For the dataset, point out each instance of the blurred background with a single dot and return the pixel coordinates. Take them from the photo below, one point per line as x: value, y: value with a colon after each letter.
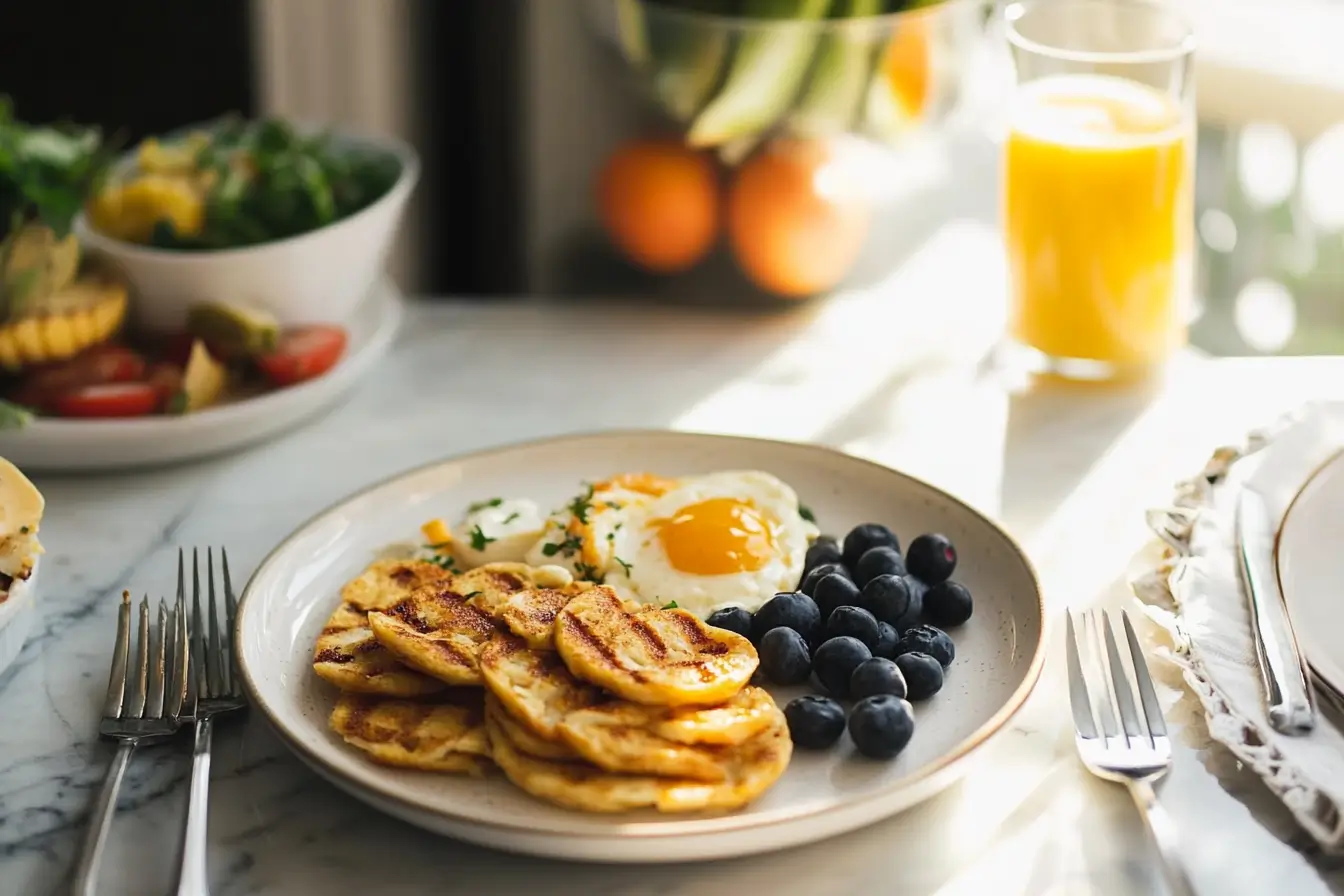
x: 516, y: 105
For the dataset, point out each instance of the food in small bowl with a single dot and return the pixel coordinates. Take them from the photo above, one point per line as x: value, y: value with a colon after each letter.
x: 21, y: 509
x: 294, y: 223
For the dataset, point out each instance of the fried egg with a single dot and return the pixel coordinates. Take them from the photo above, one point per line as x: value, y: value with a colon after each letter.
x: 581, y: 536
x: 499, y: 530
x: 732, y: 538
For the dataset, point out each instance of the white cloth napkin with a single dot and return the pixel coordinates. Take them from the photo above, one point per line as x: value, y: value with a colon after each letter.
x: 1211, y: 624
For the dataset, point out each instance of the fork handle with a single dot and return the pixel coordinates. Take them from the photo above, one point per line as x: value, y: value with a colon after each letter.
x: 100, y: 821
x: 1165, y: 837
x: 192, y: 878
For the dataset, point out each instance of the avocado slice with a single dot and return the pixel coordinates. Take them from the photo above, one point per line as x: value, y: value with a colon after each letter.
x: 232, y: 330
x: 840, y: 76
x: 203, y: 382
x: 767, y: 69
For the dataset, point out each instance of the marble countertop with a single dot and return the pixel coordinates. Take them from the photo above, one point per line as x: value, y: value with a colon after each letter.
x: 1069, y: 471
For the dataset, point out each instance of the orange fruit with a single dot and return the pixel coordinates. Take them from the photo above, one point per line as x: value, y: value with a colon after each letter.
x: 796, y: 217
x: 659, y: 203
x: 906, y: 64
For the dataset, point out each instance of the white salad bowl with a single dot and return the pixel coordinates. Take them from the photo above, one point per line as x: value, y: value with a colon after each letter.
x: 318, y: 276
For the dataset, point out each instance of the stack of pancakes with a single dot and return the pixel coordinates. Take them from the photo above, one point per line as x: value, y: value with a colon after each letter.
x: 579, y: 698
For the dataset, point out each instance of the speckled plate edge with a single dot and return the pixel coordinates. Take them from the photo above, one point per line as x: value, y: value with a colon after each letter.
x: 911, y: 789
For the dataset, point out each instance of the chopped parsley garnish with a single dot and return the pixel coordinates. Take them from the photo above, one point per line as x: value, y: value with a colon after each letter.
x: 618, y: 525
x: 612, y: 505
x: 670, y: 605
x: 23, y: 530
x: 481, y: 505
x: 806, y: 513
x: 510, y: 518
x: 580, y: 506
x: 479, y: 539
x: 567, y: 547
x: 471, y: 595
x: 611, y: 536
x: 584, y: 571
x: 444, y: 561
x: 441, y: 546
x: 626, y: 566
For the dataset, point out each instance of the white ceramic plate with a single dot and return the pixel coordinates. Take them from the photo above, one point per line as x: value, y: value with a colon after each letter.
x: 1311, y: 570
x: 999, y: 652
x: 17, y: 613
x: 69, y: 445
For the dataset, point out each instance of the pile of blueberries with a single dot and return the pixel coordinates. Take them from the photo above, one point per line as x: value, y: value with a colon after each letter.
x: 867, y: 624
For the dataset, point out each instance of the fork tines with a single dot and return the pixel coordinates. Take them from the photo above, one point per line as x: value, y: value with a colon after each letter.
x: 1110, y: 689
x: 211, y: 643
x: 151, y: 684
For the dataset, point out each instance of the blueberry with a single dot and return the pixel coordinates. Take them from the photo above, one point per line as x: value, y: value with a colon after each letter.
x: 790, y: 609
x: 734, y: 619
x: 931, y: 557
x: 836, y: 660
x: 876, y: 676
x: 948, y: 604
x: 865, y: 537
x: 915, y: 613
x: 815, y: 722
x: 881, y: 726
x: 855, y: 622
x: 824, y: 550
x: 927, y: 639
x: 923, y: 675
x: 785, y: 658
x: 835, y: 591
x: 886, y: 597
x: 880, y: 561
x: 817, y: 573
x: 887, y: 638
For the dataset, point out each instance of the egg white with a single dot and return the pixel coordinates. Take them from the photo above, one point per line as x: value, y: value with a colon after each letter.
x: 586, y: 549
x: 640, y: 570
x: 496, y: 531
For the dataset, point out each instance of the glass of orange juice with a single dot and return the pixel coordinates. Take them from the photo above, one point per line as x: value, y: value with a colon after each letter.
x: 1098, y: 181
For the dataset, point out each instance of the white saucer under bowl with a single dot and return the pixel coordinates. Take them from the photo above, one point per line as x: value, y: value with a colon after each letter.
x: 88, y: 445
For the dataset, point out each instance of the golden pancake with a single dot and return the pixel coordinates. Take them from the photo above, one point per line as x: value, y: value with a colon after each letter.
x: 387, y: 582
x: 750, y: 769
x: 488, y: 587
x: 523, y: 737
x: 348, y: 656
x: 651, y: 656
x: 437, y: 632
x: 531, y: 614
x: 533, y: 686
x: 437, y: 736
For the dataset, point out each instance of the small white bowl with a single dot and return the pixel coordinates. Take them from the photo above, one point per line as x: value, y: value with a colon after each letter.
x: 17, y: 614
x: 321, y: 275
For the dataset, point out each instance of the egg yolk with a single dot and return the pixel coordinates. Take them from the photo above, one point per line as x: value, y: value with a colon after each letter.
x: 644, y: 483
x: 717, y: 537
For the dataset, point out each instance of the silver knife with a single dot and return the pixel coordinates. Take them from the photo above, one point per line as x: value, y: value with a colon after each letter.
x: 1287, y: 679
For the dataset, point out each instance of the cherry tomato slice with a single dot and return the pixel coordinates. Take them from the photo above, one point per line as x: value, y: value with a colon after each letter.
x: 109, y: 400
x: 98, y: 365
x: 303, y: 353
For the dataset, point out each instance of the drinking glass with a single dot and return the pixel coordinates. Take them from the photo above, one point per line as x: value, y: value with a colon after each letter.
x: 1098, y: 174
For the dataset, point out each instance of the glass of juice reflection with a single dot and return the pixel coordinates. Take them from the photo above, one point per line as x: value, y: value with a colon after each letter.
x: 1099, y: 185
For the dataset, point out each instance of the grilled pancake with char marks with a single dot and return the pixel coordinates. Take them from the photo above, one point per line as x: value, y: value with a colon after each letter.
x: 750, y: 769
x: 620, y: 736
x: 437, y: 632
x: 348, y: 656
x: 533, y: 686
x: 445, y: 735
x: 387, y: 582
x: 523, y: 737
x: 651, y: 656
x: 531, y: 614
x: 487, y: 587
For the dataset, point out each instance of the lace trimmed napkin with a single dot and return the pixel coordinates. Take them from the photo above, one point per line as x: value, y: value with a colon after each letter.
x: 1211, y: 624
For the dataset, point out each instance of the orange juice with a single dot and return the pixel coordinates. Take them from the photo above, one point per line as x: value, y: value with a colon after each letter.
x: 1098, y: 219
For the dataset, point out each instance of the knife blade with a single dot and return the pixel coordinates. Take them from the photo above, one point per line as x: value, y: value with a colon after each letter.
x: 1283, y: 669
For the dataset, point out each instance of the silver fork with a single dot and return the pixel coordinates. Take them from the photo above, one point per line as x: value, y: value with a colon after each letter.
x: 217, y: 690
x: 1138, y: 757
x: 143, y: 705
